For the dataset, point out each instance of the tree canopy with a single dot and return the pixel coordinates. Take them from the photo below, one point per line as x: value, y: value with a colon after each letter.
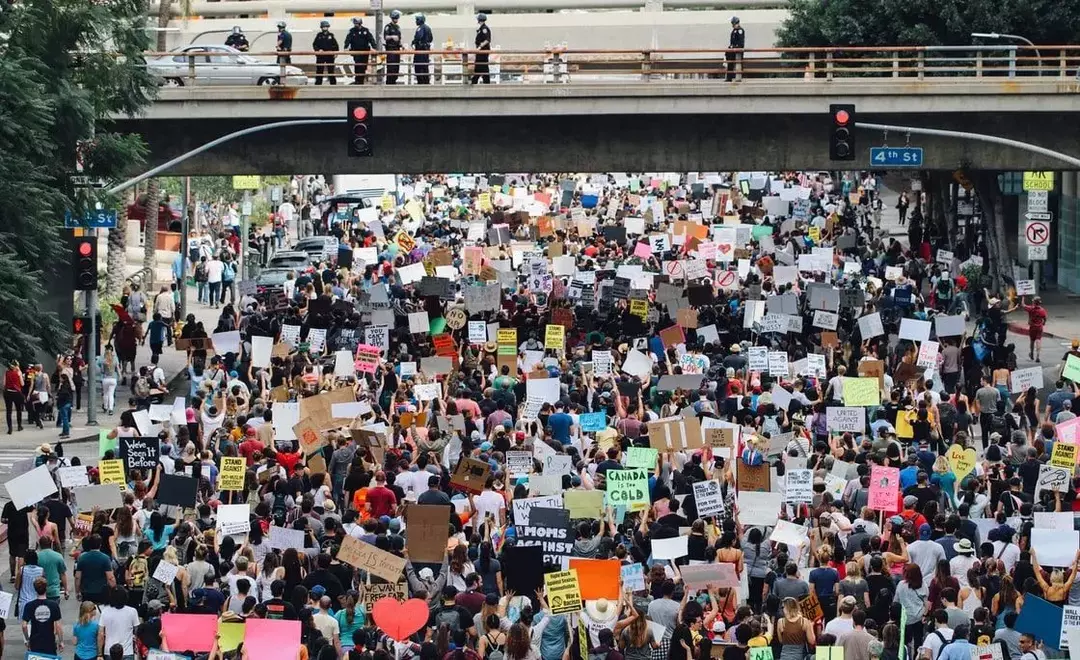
x: 66, y: 67
x: 822, y: 23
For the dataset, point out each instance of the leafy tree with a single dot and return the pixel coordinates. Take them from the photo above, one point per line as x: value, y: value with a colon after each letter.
x: 66, y: 66
x: 888, y: 23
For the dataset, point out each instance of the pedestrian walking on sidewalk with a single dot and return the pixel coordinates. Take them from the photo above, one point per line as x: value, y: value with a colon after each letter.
x: 13, y: 393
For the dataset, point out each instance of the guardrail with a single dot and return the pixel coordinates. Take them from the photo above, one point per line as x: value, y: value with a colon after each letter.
x: 905, y: 64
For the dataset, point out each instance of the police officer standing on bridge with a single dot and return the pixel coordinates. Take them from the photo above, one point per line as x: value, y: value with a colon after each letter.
x: 736, y: 41
x: 421, y: 40
x: 284, y: 44
x: 392, y: 39
x: 360, y: 39
x: 324, y: 41
x: 483, y: 43
x: 237, y: 40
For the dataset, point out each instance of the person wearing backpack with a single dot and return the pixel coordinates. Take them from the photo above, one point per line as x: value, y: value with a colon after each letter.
x: 941, y: 635
x: 455, y: 617
x: 492, y: 644
x: 228, y: 280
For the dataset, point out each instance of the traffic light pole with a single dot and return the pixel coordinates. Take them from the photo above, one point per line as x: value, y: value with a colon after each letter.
x: 91, y: 350
x: 979, y: 137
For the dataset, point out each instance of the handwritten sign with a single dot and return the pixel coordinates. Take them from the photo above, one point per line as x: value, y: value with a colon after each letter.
x: 371, y: 559
x: 232, y: 473
x: 884, y: 488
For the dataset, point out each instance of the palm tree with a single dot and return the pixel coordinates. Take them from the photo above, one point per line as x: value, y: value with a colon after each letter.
x: 153, y: 199
x: 114, y: 278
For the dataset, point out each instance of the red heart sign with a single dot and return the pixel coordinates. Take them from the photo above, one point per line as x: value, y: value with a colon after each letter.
x: 399, y: 620
x: 724, y: 247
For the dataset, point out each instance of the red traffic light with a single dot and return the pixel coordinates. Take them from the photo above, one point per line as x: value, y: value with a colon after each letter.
x: 85, y: 248
x: 359, y: 113
x: 842, y: 117
x: 77, y: 326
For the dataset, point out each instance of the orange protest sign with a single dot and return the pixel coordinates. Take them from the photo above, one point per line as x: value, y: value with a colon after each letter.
x: 597, y: 578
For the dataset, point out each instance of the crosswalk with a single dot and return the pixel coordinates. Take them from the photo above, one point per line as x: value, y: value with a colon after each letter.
x: 16, y: 460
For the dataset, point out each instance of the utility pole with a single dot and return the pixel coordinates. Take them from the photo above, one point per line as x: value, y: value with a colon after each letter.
x: 185, y: 229
x: 377, y: 6
x: 91, y: 349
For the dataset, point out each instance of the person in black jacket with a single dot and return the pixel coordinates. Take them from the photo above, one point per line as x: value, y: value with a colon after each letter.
x: 237, y: 39
x: 360, y: 39
x: 736, y: 41
x: 422, y: 39
x: 325, y: 41
x: 483, y: 42
x: 392, y: 41
x: 284, y: 44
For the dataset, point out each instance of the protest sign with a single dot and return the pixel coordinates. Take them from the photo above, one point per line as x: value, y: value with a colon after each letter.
x: 427, y: 525
x: 521, y: 507
x: 799, y: 486
x: 140, y: 453
x: 861, y: 392
x: 556, y: 542
x: 846, y: 419
x: 470, y: 475
x: 371, y: 559
x: 563, y: 592
x: 641, y: 457
x: 708, y: 497
x: 884, y: 488
x: 626, y: 487
x: 232, y: 473
x: 31, y: 487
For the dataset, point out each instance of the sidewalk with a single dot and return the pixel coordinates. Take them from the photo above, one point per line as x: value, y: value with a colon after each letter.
x: 171, y: 361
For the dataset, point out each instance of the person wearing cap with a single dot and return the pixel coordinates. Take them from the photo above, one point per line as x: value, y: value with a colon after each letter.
x: 392, y: 42
x: 283, y: 47
x: 736, y: 42
x: 360, y: 40
x: 324, y: 41
x: 483, y: 44
x: 926, y: 553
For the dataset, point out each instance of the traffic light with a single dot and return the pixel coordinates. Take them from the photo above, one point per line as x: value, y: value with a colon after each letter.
x: 80, y: 325
x: 86, y: 264
x: 360, y: 133
x: 841, y: 134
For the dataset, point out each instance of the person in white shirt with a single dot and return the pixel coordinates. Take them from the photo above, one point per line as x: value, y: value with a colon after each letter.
x: 937, y: 637
x: 118, y: 621
x: 842, y: 625
x: 1004, y: 549
x: 488, y: 502
x: 964, y: 560
x: 214, y: 269
x: 926, y: 553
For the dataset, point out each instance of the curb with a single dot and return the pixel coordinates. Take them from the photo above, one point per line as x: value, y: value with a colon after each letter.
x: 1022, y: 329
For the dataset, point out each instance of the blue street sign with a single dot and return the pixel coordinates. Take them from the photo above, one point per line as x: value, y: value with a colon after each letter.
x: 100, y: 219
x: 896, y: 156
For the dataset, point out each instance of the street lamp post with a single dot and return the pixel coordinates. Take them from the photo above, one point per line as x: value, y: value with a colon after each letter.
x: 1014, y: 37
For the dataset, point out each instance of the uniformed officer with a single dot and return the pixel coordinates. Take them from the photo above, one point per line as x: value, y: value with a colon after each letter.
x: 392, y: 41
x: 360, y: 39
x: 284, y: 44
x: 736, y: 41
x: 237, y: 39
x: 483, y: 42
x: 325, y: 41
x: 421, y: 41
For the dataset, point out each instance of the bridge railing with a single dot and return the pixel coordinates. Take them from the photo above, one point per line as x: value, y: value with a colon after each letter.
x: 560, y: 66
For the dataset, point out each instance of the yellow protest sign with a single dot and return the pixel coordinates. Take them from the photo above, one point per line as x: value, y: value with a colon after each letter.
x: 404, y: 241
x: 483, y: 202
x: 962, y: 460
x: 415, y: 211
x: 1064, y: 455
x: 240, y: 182
x: 232, y: 473
x: 507, y: 336
x: 387, y: 203
x: 563, y: 592
x: 1038, y: 181
x: 861, y: 392
x: 640, y: 308
x: 112, y: 472
x: 555, y: 338
x: 903, y: 424
x: 815, y: 234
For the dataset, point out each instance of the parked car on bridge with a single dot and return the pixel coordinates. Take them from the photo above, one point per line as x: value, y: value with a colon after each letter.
x: 220, y: 65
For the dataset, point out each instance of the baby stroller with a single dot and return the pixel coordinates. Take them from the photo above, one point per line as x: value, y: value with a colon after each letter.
x: 46, y: 411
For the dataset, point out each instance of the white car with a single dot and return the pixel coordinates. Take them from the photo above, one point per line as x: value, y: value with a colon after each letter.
x: 220, y: 65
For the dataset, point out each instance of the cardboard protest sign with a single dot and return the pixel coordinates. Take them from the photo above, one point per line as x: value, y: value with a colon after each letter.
x: 755, y: 478
x: 427, y: 524
x: 584, y: 503
x: 470, y: 475
x: 104, y: 497
x: 371, y: 559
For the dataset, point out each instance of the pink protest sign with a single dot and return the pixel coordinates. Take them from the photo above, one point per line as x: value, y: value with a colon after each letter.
x: 269, y: 638
x: 197, y: 631
x: 884, y: 488
x: 1068, y: 431
x: 643, y: 250
x: 367, y: 358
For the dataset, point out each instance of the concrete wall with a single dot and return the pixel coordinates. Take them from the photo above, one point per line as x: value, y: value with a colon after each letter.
x: 597, y: 143
x: 1066, y: 232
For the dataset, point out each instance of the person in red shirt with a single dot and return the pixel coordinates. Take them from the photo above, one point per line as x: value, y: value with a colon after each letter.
x: 289, y: 459
x: 381, y: 501
x: 13, y: 393
x: 1036, y: 323
x: 250, y: 446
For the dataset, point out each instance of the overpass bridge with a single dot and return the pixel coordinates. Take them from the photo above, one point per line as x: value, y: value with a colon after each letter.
x: 649, y: 110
